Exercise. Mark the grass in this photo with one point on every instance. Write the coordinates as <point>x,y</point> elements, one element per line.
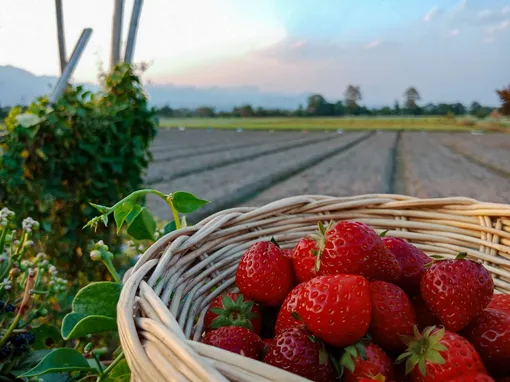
<point>324,123</point>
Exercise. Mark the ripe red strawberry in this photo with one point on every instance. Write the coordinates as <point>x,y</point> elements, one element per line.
<point>456,291</point>
<point>297,352</point>
<point>264,274</point>
<point>500,302</point>
<point>267,342</point>
<point>439,355</point>
<point>369,362</point>
<point>285,319</point>
<point>412,261</point>
<point>393,315</point>
<point>230,309</point>
<point>490,335</point>
<point>304,260</point>
<point>478,377</point>
<point>288,252</point>
<point>236,340</point>
<point>336,308</point>
<point>423,314</point>
<point>350,247</point>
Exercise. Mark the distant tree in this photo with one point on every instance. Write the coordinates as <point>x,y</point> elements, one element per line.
<point>504,96</point>
<point>352,96</point>
<point>318,106</point>
<point>300,111</point>
<point>396,108</point>
<point>386,110</point>
<point>246,111</point>
<point>339,108</point>
<point>411,96</point>
<point>165,111</point>
<point>205,112</point>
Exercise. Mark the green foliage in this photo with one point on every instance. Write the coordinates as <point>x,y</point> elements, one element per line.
<point>94,310</point>
<point>58,361</point>
<point>54,159</point>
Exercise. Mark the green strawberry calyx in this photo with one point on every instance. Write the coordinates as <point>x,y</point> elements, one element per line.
<point>438,258</point>
<point>234,313</point>
<point>351,353</point>
<point>320,241</point>
<point>423,347</point>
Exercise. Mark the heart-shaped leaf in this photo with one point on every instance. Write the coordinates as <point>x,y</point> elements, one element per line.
<point>186,203</point>
<point>60,360</point>
<point>94,310</point>
<point>141,225</point>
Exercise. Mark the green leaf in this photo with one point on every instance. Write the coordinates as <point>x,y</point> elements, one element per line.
<point>121,213</point>
<point>120,373</point>
<point>169,227</point>
<point>274,242</point>
<point>142,226</point>
<point>186,203</point>
<point>45,333</point>
<point>94,310</point>
<point>63,360</point>
<point>323,356</point>
<point>461,256</point>
<point>28,362</point>
<point>383,233</point>
<point>100,208</point>
<point>347,361</point>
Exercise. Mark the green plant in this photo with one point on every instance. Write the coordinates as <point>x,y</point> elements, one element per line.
<point>94,309</point>
<point>30,291</point>
<point>54,159</point>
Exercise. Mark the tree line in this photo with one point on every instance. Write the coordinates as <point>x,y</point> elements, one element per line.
<point>318,106</point>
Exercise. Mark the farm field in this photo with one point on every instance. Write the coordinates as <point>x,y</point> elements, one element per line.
<point>333,123</point>
<point>252,168</point>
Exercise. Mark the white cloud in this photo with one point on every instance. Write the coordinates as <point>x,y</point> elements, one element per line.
<point>489,40</point>
<point>373,44</point>
<point>505,10</point>
<point>430,14</point>
<point>453,33</point>
<point>485,13</point>
<point>498,27</point>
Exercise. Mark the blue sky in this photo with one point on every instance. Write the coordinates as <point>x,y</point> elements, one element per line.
<point>451,50</point>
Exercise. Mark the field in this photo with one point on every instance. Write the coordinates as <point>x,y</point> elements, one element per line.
<point>334,123</point>
<point>251,168</point>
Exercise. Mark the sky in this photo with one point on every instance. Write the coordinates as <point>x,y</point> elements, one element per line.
<point>450,50</point>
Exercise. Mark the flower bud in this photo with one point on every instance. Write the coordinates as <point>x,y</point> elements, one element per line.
<point>14,272</point>
<point>95,255</point>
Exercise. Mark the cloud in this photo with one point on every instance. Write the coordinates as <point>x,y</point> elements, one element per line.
<point>495,28</point>
<point>489,40</point>
<point>290,50</point>
<point>453,33</point>
<point>505,10</point>
<point>373,44</point>
<point>430,14</point>
<point>485,13</point>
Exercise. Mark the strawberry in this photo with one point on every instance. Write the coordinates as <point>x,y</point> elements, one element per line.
<point>377,378</point>
<point>285,319</point>
<point>304,259</point>
<point>230,309</point>
<point>349,247</point>
<point>366,361</point>
<point>297,352</point>
<point>478,377</point>
<point>500,302</point>
<point>267,342</point>
<point>236,340</point>
<point>264,274</point>
<point>393,315</point>
<point>439,355</point>
<point>288,252</point>
<point>412,261</point>
<point>456,291</point>
<point>490,335</point>
<point>423,314</point>
<point>335,308</point>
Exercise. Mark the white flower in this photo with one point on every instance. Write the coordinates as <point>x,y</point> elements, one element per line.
<point>29,224</point>
<point>53,270</point>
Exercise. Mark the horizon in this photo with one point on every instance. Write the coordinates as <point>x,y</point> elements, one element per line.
<point>451,51</point>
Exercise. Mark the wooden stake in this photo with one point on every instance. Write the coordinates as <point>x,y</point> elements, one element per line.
<point>116,32</point>
<point>60,35</point>
<point>133,29</point>
<point>71,65</point>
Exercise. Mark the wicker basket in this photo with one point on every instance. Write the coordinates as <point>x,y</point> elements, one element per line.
<point>172,284</point>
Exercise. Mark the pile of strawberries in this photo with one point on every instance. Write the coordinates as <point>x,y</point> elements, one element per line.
<point>347,304</point>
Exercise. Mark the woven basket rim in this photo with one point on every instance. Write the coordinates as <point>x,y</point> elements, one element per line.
<point>156,344</point>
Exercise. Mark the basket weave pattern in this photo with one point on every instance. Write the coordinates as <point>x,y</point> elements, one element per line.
<point>166,295</point>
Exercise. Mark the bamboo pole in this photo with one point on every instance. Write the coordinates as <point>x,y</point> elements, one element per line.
<point>133,29</point>
<point>116,32</point>
<point>61,36</point>
<point>71,65</point>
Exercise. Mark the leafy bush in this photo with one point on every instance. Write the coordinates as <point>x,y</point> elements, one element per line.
<point>54,159</point>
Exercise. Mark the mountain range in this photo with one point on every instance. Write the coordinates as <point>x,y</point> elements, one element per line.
<point>19,86</point>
